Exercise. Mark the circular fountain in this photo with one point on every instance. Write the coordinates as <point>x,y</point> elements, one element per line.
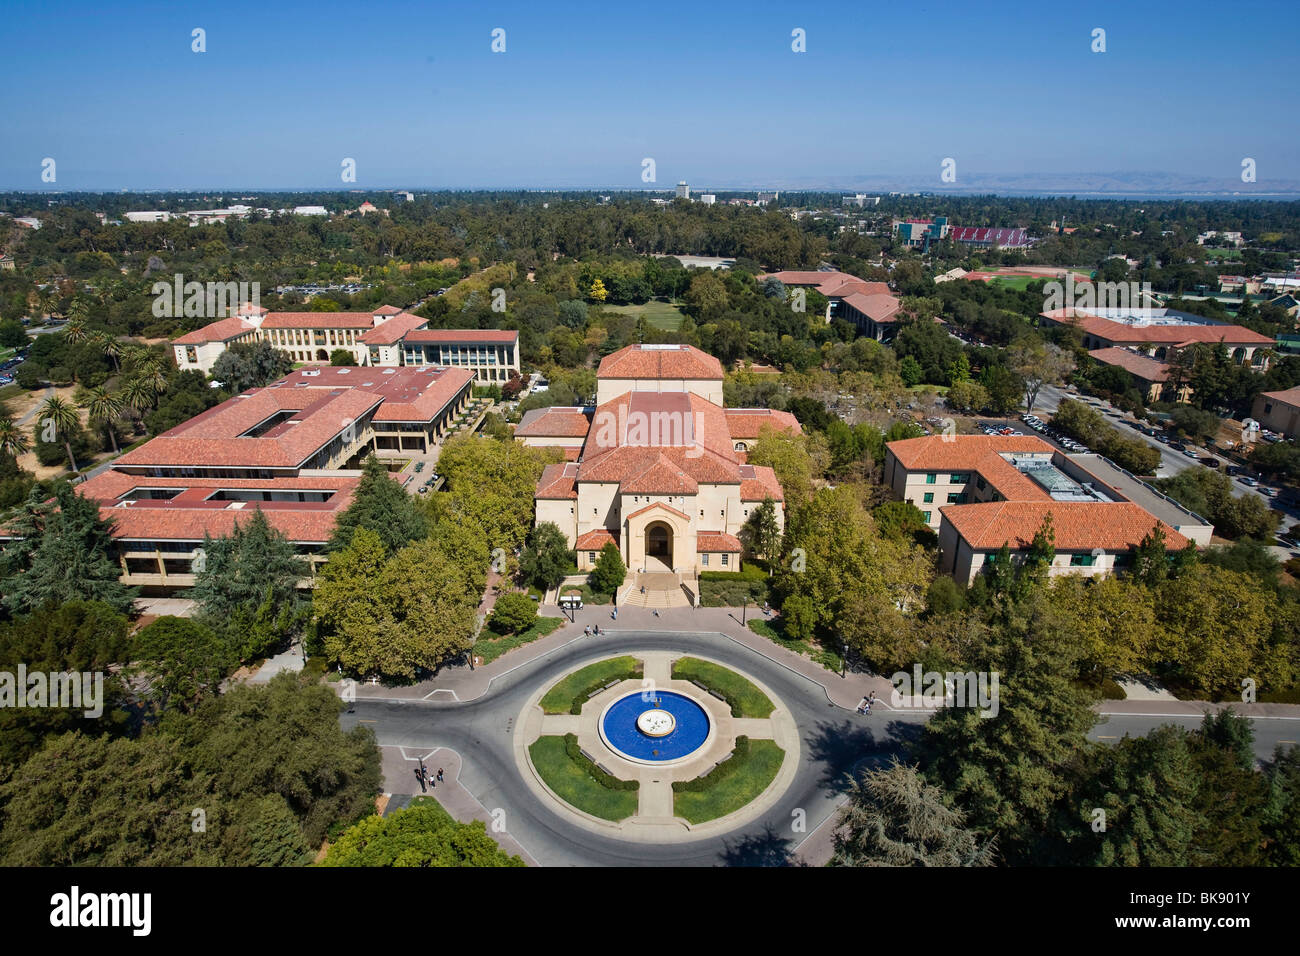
<point>655,726</point>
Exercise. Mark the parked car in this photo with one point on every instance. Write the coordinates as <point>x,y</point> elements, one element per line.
<point>1209,461</point>
<point>1190,453</point>
<point>1248,481</point>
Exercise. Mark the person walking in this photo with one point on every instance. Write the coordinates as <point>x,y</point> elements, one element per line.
<point>440,775</point>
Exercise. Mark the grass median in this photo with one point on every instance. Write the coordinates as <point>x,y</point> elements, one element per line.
<point>730,785</point>
<point>568,695</point>
<point>574,779</point>
<point>741,695</point>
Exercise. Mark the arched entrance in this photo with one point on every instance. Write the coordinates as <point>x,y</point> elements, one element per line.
<point>659,546</point>
<point>322,355</point>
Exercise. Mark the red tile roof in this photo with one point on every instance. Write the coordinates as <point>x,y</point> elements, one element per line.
<point>384,309</point>
<point>554,422</point>
<point>959,452</point>
<point>212,439</point>
<point>661,505</point>
<point>713,541</point>
<point>1290,396</point>
<point>749,422</point>
<point>558,481</point>
<point>437,336</point>
<point>319,320</point>
<point>1124,333</point>
<point>595,540</point>
<point>758,482</point>
<point>223,330</point>
<point>878,308</point>
<point>661,477</point>
<point>391,332</point>
<point>1078,525</point>
<point>832,284</point>
<point>1143,366</point>
<point>673,362</point>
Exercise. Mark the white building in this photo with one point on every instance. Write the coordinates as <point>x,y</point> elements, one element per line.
<point>683,190</point>
<point>310,211</point>
<point>151,215</point>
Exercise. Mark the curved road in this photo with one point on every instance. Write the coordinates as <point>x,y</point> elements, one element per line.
<point>482,732</point>
<point>833,740</point>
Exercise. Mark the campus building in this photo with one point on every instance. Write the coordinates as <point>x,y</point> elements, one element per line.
<point>980,492</point>
<point>1150,376</point>
<point>387,337</point>
<point>869,305</point>
<point>292,450</point>
<point>1160,333</point>
<point>1279,411</point>
<point>657,467</point>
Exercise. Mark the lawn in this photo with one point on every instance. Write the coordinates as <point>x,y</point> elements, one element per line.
<point>490,645</point>
<point>773,632</point>
<point>661,315</point>
<point>574,785</point>
<point>731,785</point>
<point>580,685</point>
<point>1017,283</point>
<point>745,699</point>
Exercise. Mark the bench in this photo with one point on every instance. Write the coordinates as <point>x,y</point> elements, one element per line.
<point>716,694</point>
<point>700,684</point>
<point>588,756</point>
<point>601,767</point>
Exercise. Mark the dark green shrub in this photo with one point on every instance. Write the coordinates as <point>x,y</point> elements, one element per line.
<point>722,770</point>
<point>608,781</point>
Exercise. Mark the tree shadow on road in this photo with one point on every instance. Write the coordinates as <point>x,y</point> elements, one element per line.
<point>768,848</point>
<point>841,745</point>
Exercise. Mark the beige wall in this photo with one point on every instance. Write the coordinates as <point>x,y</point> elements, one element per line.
<point>611,388</point>
<point>1281,416</point>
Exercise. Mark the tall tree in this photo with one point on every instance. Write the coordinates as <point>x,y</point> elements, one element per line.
<point>72,561</point>
<point>247,585</point>
<point>383,506</point>
<point>103,408</point>
<point>894,818</point>
<point>60,416</point>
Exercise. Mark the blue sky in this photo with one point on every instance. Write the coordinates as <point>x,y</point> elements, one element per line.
<point>585,91</point>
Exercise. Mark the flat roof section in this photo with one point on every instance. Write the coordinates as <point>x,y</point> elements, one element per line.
<point>1131,488</point>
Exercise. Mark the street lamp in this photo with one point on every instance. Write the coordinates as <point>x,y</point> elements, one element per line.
<point>844,661</point>
<point>743,608</point>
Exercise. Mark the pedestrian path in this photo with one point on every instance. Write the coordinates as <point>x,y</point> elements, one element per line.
<point>400,766</point>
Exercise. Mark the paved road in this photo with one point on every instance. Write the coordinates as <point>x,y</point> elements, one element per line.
<point>833,740</point>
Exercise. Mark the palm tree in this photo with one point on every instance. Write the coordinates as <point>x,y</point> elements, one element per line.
<point>75,331</point>
<point>61,414</point>
<point>151,370</point>
<point>13,440</point>
<point>111,347</point>
<point>138,394</point>
<point>103,408</point>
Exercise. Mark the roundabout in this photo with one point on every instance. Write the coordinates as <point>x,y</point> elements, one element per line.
<point>494,731</point>
<point>671,747</point>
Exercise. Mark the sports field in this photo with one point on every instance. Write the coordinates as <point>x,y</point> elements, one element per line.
<point>661,315</point>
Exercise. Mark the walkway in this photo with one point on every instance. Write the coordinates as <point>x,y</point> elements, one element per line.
<point>400,764</point>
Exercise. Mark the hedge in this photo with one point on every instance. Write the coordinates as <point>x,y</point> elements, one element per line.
<point>606,780</point>
<point>571,692</point>
<point>720,772</point>
<point>742,695</point>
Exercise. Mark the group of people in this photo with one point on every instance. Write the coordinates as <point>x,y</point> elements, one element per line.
<point>865,706</point>
<point>425,777</point>
<point>591,630</point>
